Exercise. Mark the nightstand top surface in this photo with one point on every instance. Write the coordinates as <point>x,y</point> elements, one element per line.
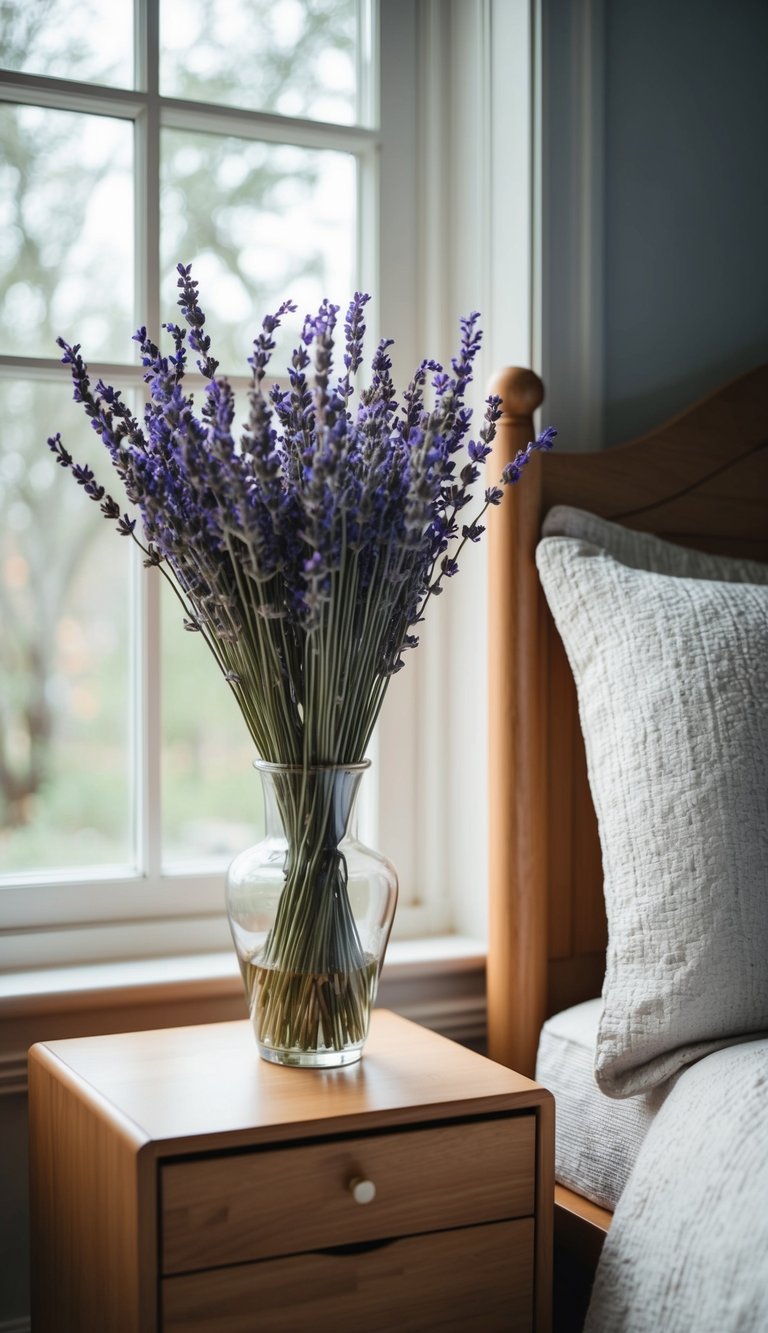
<point>180,1086</point>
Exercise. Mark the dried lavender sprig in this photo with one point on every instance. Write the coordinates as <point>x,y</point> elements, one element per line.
<point>84,477</point>
<point>189,305</point>
<point>473,531</point>
<point>109,415</point>
<point>514,470</point>
<point>354,330</point>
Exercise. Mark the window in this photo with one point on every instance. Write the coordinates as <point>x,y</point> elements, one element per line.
<point>288,147</point>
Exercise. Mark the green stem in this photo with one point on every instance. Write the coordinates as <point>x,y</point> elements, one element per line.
<point>314,980</point>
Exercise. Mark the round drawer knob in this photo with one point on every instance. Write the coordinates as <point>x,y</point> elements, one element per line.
<point>362,1191</point>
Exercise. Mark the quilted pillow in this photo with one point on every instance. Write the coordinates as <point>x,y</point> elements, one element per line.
<point>642,550</point>
<point>672,680</point>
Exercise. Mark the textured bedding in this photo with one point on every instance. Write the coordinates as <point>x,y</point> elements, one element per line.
<point>597,1138</point>
<point>688,1246</point>
<point>669,651</point>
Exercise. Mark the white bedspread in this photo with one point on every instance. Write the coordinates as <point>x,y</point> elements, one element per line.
<point>688,1248</point>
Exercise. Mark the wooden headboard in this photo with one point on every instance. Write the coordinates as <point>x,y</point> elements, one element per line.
<point>700,480</point>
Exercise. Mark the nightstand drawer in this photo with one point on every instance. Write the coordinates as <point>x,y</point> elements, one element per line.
<point>261,1204</point>
<point>454,1281</point>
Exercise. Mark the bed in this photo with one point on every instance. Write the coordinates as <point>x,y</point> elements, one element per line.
<point>698,484</point>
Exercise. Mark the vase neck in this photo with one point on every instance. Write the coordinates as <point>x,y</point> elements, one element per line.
<point>317,803</point>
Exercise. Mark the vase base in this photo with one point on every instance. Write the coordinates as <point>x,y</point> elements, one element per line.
<point>326,1058</point>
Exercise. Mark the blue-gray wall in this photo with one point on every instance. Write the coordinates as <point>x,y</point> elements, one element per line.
<point>685,222</point>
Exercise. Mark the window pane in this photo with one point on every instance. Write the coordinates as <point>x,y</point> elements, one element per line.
<point>66,245</point>
<point>212,803</point>
<point>65,701</point>
<point>261,222</point>
<point>91,41</point>
<point>291,57</point>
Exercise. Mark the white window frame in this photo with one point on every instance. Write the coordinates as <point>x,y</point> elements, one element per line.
<point>430,244</point>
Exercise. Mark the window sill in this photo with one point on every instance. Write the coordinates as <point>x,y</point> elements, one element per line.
<point>439,982</point>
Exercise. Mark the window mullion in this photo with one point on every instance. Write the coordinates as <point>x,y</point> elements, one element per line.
<point>91,99</point>
<point>147,744</point>
<point>367,60</point>
<point>146,600</point>
<point>148,168</point>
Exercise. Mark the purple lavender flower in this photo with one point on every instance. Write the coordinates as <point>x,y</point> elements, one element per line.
<point>198,339</point>
<point>306,553</point>
<point>514,470</point>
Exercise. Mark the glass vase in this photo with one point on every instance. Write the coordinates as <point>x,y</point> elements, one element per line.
<point>310,910</point>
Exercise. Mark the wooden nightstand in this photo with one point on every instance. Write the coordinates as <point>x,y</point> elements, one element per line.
<point>180,1183</point>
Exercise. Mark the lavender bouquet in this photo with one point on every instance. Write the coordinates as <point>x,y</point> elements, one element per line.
<point>304,556</point>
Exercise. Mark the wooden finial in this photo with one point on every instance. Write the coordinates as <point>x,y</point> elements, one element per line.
<point>521,391</point>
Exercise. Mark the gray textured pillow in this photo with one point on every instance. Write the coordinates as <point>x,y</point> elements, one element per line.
<point>672,679</point>
<point>641,550</point>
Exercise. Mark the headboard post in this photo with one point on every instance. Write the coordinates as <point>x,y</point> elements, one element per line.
<point>517,963</point>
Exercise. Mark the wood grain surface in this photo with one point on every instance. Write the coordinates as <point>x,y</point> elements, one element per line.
<point>253,1205</point>
<point>453,1282</point>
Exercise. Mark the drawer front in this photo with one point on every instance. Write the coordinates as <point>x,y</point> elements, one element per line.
<point>454,1281</point>
<point>274,1201</point>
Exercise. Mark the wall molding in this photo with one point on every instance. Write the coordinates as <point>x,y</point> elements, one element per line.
<point>13,1082</point>
<point>15,1326</point>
